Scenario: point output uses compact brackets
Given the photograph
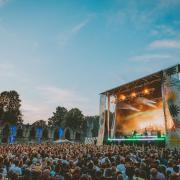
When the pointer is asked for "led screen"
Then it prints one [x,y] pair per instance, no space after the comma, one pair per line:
[140,117]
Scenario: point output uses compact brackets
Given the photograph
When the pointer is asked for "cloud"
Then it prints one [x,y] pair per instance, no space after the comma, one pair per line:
[137,15]
[7,70]
[3,2]
[38,102]
[151,57]
[129,15]
[6,66]
[165,44]
[49,98]
[163,30]
[169,3]
[65,37]
[176,22]
[12,73]
[65,97]
[80,26]
[33,111]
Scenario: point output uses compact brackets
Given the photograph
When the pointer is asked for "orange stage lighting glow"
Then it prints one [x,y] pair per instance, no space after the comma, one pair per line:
[133,94]
[122,97]
[146,91]
[150,118]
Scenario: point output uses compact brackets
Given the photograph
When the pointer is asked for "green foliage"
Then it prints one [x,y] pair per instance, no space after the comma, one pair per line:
[67,134]
[19,133]
[32,134]
[45,134]
[58,117]
[10,104]
[56,135]
[40,124]
[74,119]
[6,131]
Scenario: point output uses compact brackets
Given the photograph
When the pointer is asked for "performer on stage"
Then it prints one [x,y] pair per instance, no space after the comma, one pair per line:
[159,133]
[134,133]
[145,132]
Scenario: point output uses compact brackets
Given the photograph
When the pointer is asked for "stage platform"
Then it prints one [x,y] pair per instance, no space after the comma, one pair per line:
[140,138]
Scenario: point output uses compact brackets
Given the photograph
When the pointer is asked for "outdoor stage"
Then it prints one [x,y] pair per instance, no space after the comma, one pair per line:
[146,109]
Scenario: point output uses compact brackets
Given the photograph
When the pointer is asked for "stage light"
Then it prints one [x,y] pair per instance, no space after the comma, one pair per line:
[146,91]
[133,94]
[139,139]
[122,97]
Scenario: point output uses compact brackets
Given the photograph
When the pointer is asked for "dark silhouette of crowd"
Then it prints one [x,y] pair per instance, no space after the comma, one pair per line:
[88,162]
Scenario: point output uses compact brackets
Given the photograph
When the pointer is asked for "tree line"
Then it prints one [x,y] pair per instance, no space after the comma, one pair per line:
[10,113]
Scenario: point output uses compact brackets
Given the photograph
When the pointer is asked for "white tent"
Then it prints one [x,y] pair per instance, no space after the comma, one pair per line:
[61,141]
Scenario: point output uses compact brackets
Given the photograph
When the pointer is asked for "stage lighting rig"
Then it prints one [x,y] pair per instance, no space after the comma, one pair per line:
[122,97]
[133,94]
[146,91]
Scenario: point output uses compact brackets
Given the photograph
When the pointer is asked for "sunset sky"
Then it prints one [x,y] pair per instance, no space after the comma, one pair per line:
[65,52]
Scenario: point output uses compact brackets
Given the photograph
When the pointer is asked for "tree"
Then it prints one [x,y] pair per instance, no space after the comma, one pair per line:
[32,134]
[58,117]
[40,124]
[45,134]
[10,104]
[19,133]
[56,134]
[35,125]
[91,122]
[74,119]
[5,133]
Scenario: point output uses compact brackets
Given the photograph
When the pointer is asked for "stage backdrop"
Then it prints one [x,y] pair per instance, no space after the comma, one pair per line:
[171,98]
[143,117]
[140,114]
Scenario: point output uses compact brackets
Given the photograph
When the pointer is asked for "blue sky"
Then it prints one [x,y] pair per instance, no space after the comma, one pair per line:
[59,52]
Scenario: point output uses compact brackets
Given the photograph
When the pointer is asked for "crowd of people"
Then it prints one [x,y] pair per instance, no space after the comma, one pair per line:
[88,162]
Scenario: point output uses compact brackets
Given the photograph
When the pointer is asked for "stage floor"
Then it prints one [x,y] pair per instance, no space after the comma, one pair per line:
[140,138]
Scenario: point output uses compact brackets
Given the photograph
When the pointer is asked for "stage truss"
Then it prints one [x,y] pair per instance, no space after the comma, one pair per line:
[139,88]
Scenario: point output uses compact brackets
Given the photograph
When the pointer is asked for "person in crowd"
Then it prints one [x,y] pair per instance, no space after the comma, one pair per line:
[15,168]
[88,162]
[156,175]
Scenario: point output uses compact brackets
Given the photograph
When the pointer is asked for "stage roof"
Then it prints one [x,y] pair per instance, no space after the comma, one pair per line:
[142,82]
